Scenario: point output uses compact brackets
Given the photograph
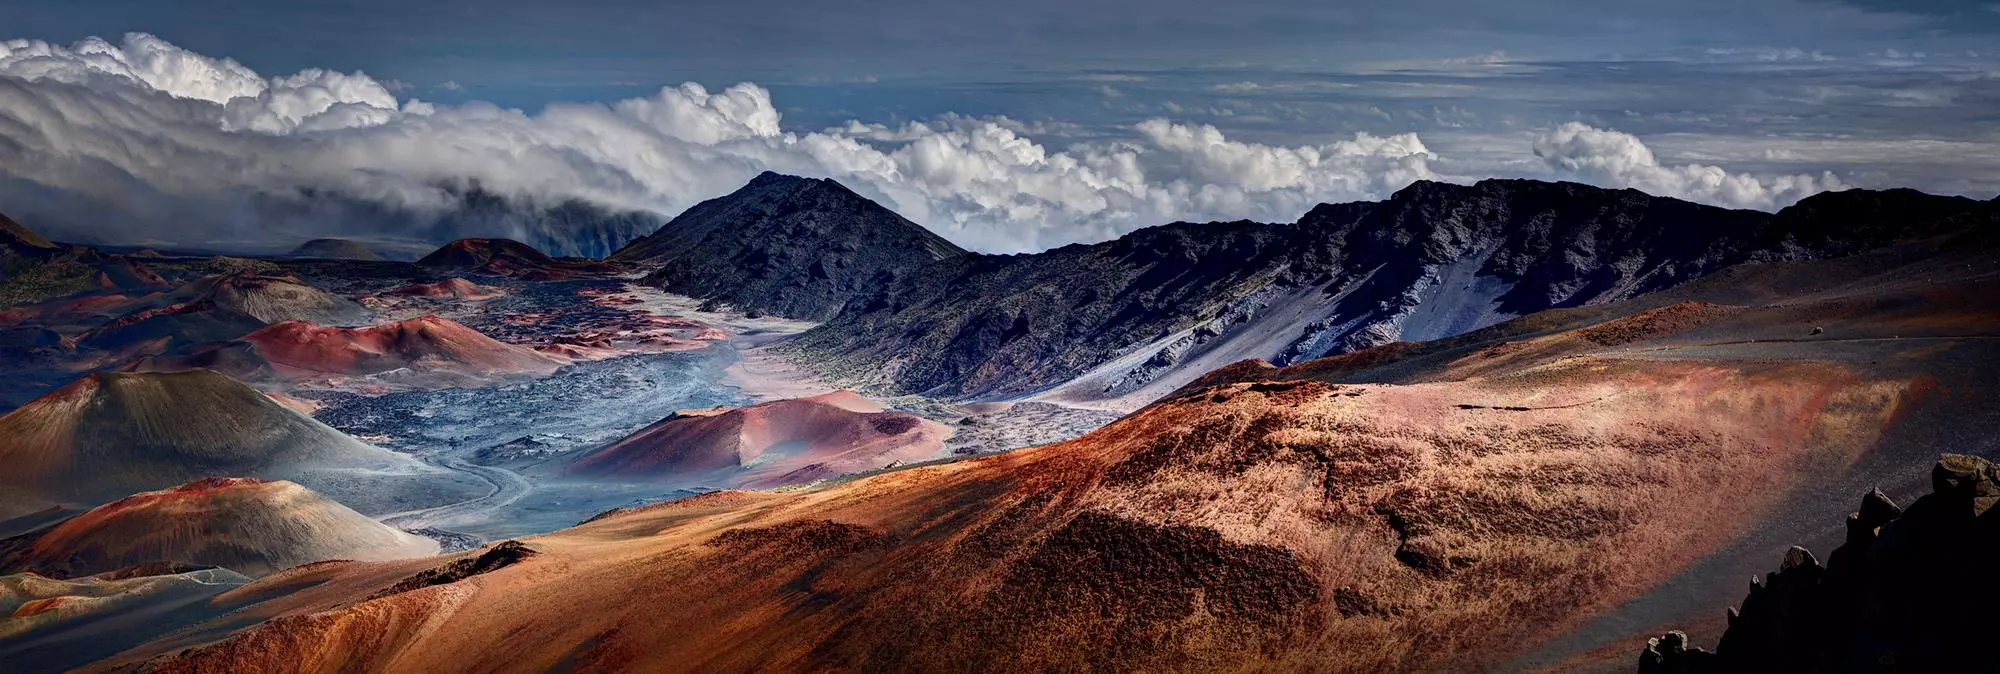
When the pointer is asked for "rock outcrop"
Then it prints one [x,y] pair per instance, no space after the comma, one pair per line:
[1909,590]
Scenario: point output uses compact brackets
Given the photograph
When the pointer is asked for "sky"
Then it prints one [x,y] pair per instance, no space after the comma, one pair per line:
[1006,127]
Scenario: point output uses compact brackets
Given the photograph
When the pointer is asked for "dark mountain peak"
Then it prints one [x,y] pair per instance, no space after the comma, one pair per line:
[774,179]
[335,249]
[470,253]
[786,245]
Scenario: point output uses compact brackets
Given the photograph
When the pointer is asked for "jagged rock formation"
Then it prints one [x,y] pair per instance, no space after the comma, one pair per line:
[506,257]
[1909,591]
[1158,307]
[247,525]
[789,246]
[335,249]
[495,557]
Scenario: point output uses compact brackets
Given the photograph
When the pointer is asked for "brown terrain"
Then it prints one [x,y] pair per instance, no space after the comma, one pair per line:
[770,444]
[1545,493]
[424,352]
[247,525]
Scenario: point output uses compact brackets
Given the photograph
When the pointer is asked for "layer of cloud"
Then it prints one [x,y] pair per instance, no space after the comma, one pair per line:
[1619,159]
[164,140]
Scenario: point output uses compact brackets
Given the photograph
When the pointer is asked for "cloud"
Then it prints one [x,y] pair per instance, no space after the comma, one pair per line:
[144,139]
[1617,159]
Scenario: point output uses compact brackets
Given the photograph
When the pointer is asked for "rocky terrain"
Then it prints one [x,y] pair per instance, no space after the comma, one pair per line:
[249,526]
[1136,317]
[787,246]
[1544,492]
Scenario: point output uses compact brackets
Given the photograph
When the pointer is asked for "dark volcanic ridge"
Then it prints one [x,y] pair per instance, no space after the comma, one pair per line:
[1143,314]
[787,246]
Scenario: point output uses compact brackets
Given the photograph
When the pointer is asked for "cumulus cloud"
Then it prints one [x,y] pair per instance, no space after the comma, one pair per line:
[1618,159]
[172,143]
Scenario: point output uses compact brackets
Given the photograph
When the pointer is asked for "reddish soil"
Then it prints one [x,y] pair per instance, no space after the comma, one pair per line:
[771,444]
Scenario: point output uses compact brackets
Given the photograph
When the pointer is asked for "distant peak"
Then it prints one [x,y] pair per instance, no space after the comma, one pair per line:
[17,234]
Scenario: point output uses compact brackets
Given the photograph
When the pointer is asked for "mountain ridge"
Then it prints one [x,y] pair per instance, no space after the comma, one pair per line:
[784,245]
[1433,260]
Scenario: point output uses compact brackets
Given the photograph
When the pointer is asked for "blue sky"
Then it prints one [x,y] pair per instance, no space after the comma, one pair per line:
[1879,93]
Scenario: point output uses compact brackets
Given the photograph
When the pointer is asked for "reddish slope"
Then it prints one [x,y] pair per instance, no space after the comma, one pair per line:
[771,444]
[247,525]
[430,348]
[425,352]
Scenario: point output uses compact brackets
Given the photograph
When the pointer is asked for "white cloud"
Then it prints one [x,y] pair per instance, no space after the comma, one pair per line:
[162,140]
[1617,159]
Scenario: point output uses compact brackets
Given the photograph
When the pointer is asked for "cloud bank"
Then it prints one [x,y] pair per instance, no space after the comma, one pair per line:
[145,140]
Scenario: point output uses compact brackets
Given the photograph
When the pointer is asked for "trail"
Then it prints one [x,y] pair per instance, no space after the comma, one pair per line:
[508,487]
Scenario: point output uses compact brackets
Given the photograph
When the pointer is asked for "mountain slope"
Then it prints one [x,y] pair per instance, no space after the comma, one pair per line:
[1508,499]
[794,247]
[1136,317]
[246,525]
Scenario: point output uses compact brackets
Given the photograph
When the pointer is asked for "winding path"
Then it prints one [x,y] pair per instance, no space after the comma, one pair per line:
[508,487]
